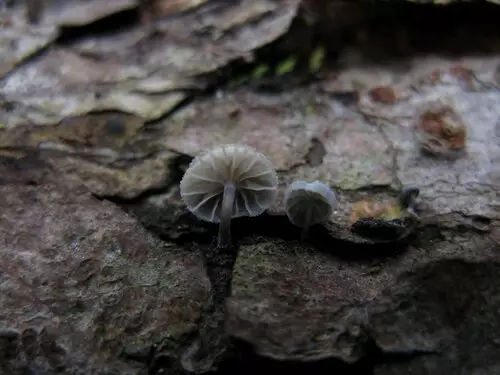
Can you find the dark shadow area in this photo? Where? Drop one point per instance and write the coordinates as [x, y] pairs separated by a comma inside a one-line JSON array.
[[322, 238], [375, 32], [387, 30], [182, 227], [459, 28], [247, 362], [107, 25], [27, 170], [191, 229]]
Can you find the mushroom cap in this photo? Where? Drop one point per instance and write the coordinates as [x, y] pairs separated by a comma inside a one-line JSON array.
[[408, 196], [313, 200], [255, 180]]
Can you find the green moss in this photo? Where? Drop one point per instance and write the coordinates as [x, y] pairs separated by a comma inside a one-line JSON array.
[[316, 59], [393, 212], [260, 71], [286, 66]]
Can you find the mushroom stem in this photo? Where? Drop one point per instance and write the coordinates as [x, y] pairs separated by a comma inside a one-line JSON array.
[[226, 213]]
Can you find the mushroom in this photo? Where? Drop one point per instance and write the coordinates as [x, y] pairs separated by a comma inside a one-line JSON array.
[[407, 197], [226, 182], [308, 203]]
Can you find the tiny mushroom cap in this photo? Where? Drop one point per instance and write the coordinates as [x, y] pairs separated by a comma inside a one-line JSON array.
[[308, 203], [226, 182], [407, 198], [408, 195]]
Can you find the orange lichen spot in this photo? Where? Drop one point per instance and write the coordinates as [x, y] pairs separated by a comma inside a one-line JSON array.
[[383, 94], [369, 208], [441, 130], [365, 209]]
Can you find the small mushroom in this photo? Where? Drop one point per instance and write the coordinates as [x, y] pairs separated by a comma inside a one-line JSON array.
[[226, 182], [309, 203], [407, 198]]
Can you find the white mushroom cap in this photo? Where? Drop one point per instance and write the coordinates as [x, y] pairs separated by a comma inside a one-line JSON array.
[[255, 179], [308, 203]]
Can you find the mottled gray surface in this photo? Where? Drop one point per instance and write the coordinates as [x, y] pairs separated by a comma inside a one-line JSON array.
[[292, 302], [112, 72], [83, 285]]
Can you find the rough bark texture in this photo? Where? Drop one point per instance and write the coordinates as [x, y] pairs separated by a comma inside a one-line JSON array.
[[84, 289], [103, 106]]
